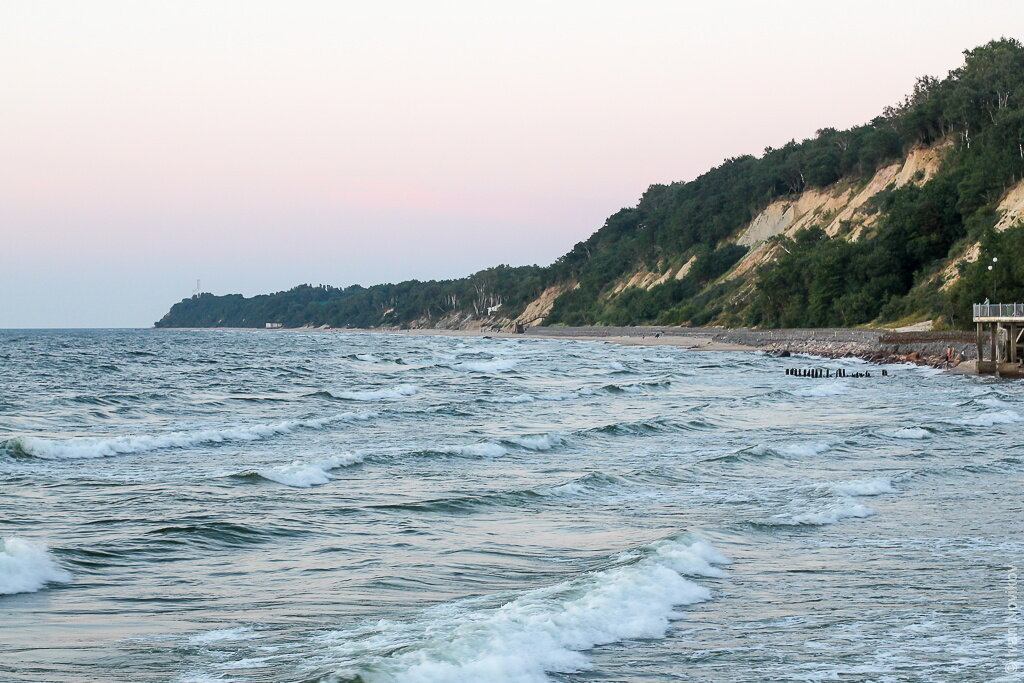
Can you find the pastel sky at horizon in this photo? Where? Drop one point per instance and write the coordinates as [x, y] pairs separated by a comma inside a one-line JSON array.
[[256, 145]]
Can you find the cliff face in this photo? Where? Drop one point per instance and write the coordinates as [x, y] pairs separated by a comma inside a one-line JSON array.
[[844, 211]]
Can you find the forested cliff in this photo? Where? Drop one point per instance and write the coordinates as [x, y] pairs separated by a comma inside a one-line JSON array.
[[893, 221]]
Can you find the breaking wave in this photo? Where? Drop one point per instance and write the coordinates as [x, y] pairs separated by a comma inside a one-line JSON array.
[[909, 433], [795, 450], [27, 566], [500, 447], [844, 508], [486, 366], [400, 391], [839, 503], [865, 487], [531, 398], [991, 419], [303, 474], [536, 442], [541, 631], [95, 447], [484, 449], [636, 387], [223, 634]]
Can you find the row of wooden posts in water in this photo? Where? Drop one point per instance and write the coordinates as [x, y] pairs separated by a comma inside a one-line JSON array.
[[827, 373]]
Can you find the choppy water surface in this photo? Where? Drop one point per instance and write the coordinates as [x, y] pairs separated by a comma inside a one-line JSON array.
[[200, 506]]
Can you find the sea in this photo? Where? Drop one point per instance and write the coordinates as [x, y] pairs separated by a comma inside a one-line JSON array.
[[216, 505]]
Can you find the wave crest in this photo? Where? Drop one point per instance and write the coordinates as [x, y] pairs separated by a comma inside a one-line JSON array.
[[486, 366], [96, 447], [400, 391], [304, 474], [990, 419], [541, 631], [27, 566]]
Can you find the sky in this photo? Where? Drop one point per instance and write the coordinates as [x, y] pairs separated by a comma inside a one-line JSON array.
[[255, 145]]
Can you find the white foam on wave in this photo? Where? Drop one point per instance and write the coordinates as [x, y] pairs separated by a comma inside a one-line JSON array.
[[495, 449], [864, 487], [821, 390], [564, 396], [95, 447], [303, 474], [517, 398], [636, 387], [585, 485], [909, 433], [26, 566], [400, 391], [569, 489], [805, 449], [484, 449], [994, 403], [367, 358], [532, 398], [223, 635], [540, 632], [537, 442], [845, 508], [993, 418], [795, 450], [485, 366]]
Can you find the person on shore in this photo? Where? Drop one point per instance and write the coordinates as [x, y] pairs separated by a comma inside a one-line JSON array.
[[986, 302], [949, 356]]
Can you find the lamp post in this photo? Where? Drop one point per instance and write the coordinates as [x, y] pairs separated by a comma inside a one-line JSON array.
[[992, 280]]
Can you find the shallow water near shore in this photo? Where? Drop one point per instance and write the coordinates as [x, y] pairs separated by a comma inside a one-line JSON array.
[[243, 506]]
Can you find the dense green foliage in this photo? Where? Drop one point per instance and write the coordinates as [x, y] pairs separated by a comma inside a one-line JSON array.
[[822, 282], [381, 305], [887, 274], [1001, 281]]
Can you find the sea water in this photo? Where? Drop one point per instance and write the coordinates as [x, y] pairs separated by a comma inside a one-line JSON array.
[[285, 506]]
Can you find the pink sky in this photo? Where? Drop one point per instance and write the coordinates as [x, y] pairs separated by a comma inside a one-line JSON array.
[[258, 145]]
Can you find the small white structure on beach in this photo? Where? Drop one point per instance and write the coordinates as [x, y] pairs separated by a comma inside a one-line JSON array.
[[274, 326]]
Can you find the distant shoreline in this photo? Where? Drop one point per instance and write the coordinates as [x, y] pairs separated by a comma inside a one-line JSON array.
[[698, 340], [872, 345]]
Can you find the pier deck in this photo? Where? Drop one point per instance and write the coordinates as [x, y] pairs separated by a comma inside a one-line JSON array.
[[1006, 331]]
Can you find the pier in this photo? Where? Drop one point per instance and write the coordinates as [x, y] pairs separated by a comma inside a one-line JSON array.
[[1005, 329]]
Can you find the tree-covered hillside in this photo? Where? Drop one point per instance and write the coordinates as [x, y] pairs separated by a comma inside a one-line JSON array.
[[886, 272]]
